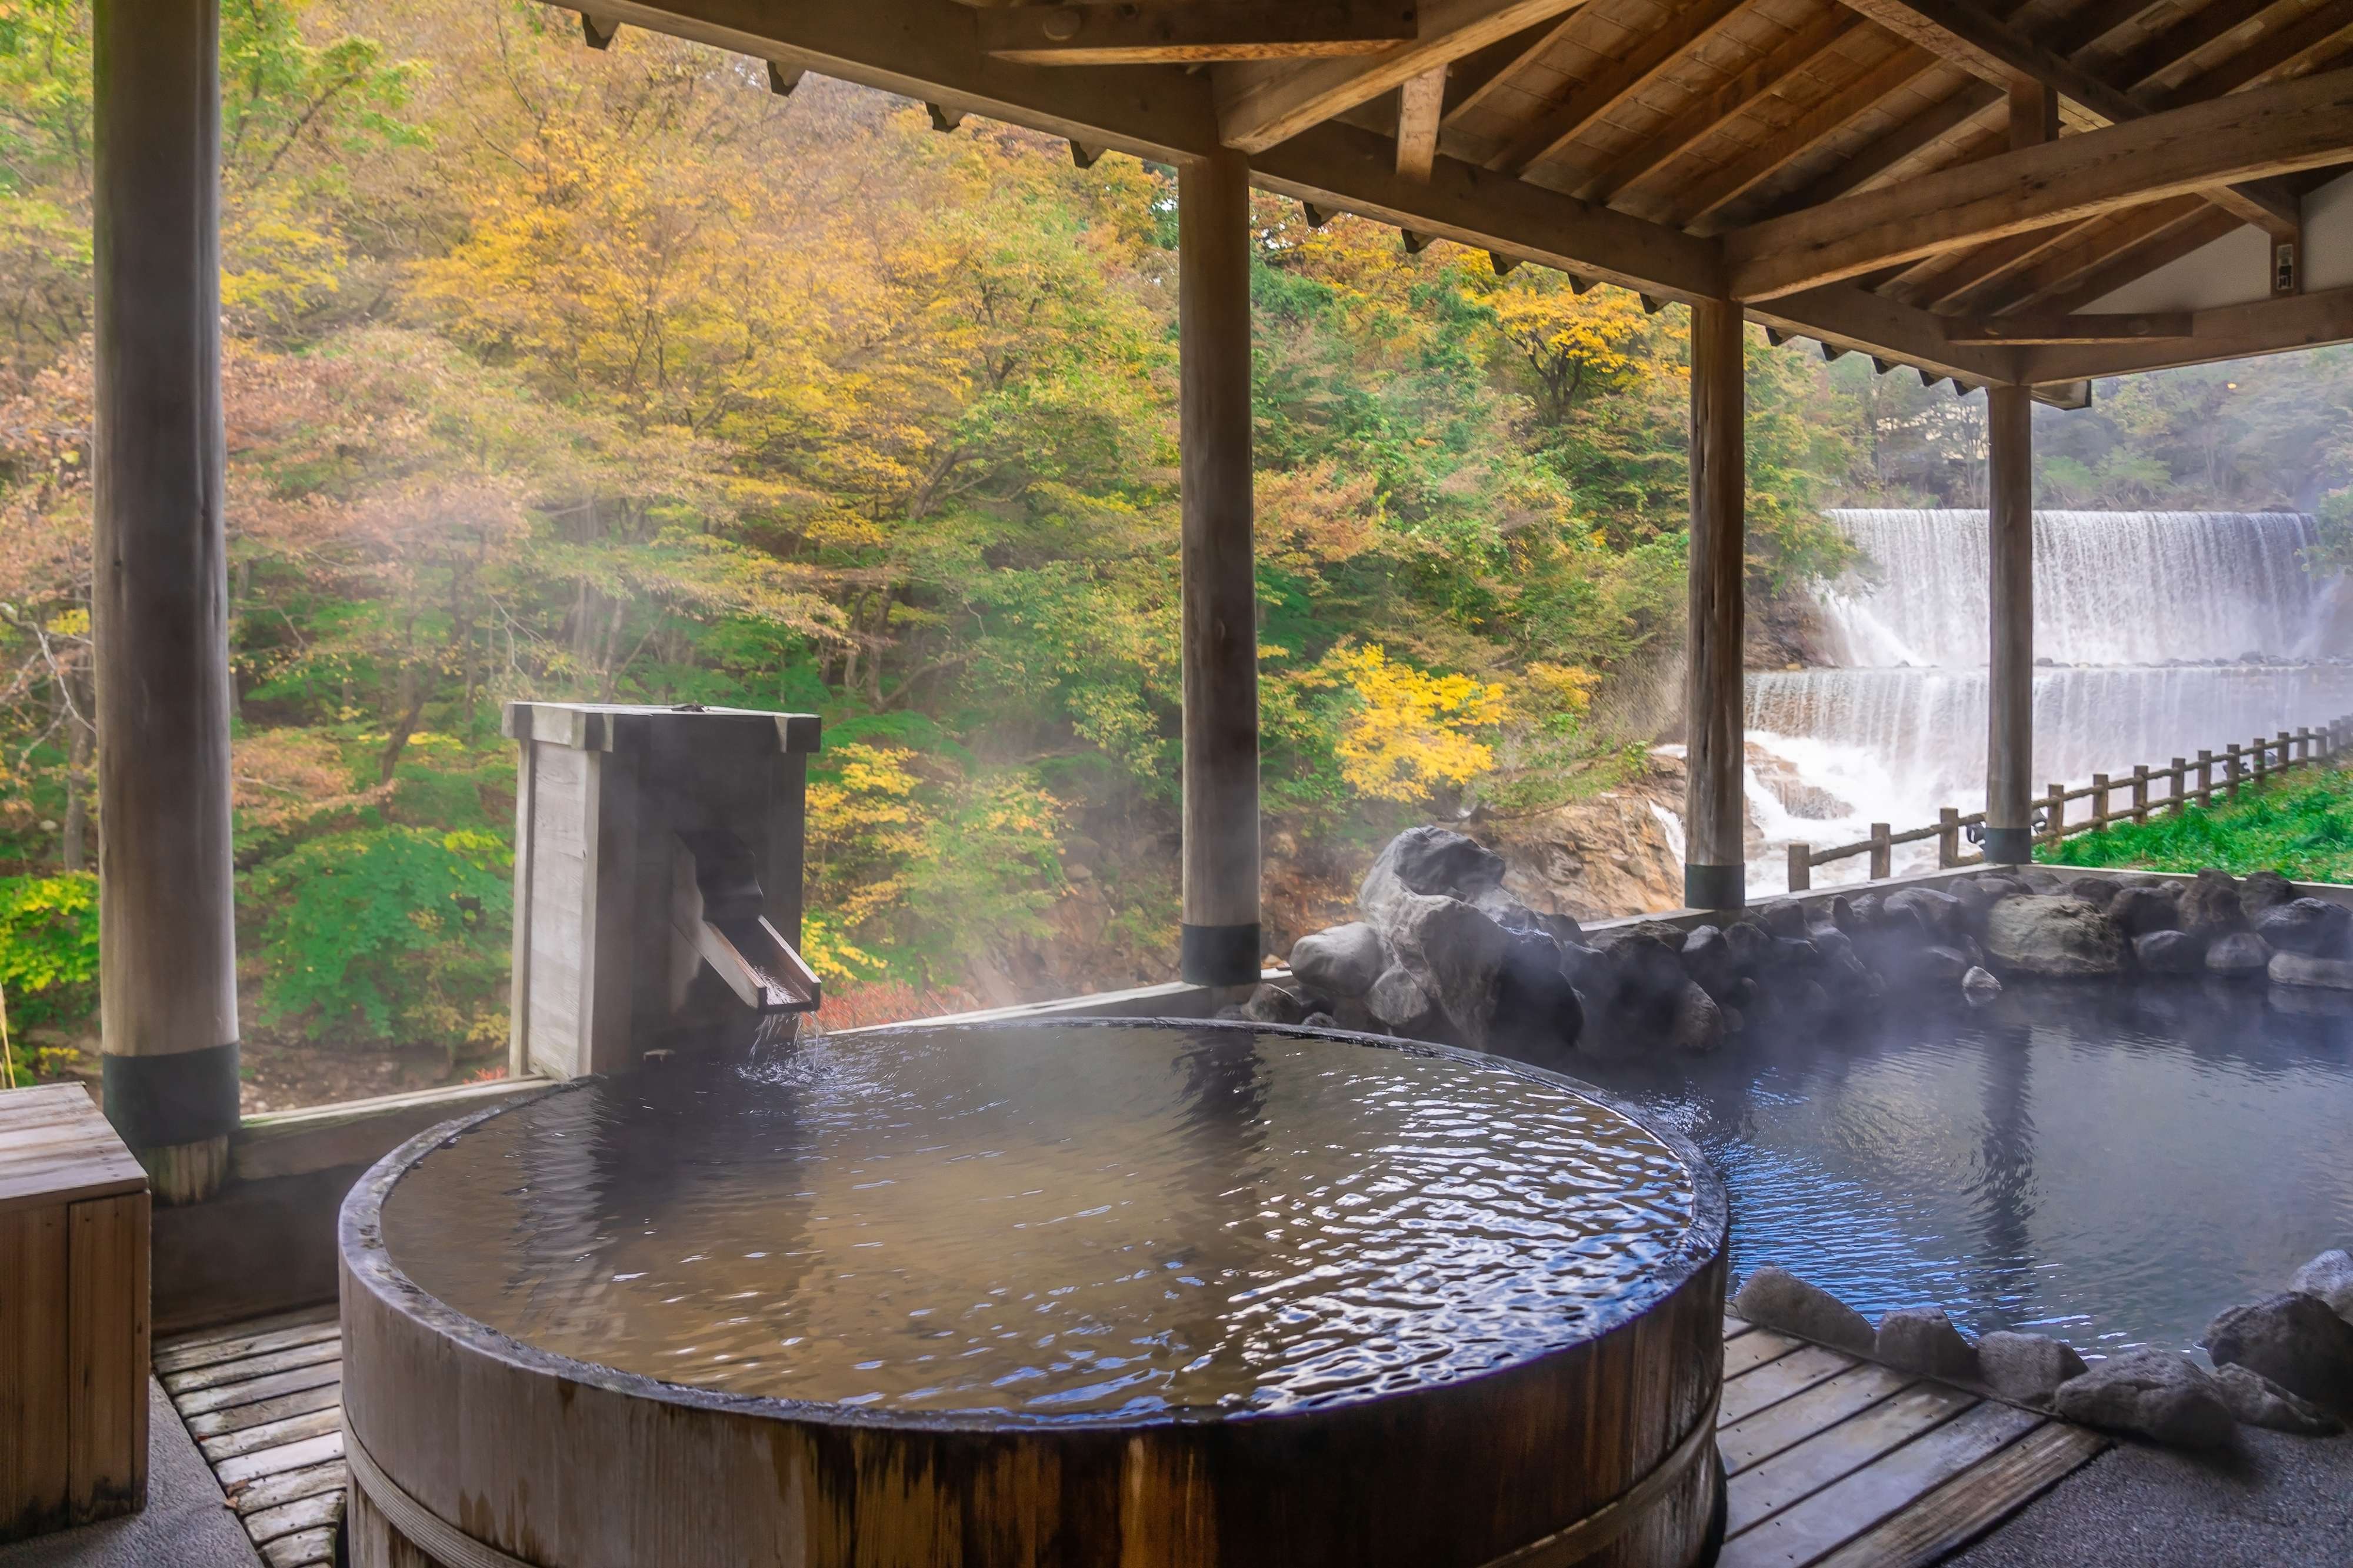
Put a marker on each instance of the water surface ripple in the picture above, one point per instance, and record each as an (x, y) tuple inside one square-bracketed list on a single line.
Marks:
[(1050, 1222)]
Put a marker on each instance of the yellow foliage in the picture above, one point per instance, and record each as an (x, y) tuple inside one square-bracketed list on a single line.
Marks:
[(863, 828), (1412, 732), (1565, 688)]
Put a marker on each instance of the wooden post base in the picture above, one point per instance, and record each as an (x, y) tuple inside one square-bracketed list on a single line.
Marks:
[(186, 1172)]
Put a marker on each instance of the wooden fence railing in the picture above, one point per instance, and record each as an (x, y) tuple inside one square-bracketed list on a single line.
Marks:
[(2237, 768)]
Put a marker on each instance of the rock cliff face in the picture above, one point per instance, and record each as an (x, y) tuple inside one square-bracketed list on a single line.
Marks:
[(1609, 855)]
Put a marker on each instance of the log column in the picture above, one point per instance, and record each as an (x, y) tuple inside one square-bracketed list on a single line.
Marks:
[(167, 944), (1714, 868), (2010, 674), (1221, 945)]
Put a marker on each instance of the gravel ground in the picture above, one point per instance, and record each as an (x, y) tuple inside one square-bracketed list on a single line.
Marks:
[(2283, 1502), (186, 1523)]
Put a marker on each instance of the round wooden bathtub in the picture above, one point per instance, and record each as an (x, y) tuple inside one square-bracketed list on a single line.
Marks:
[(1590, 1442)]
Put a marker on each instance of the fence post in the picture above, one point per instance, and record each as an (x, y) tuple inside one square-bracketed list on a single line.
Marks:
[(2056, 811), (2234, 770), (2140, 792), (2205, 778), (2283, 744), (2099, 803), (2261, 752), (1801, 867), (2303, 751), (1882, 853), (2180, 772), (1948, 836)]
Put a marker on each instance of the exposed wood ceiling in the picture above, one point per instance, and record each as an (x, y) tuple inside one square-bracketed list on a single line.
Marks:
[(1881, 174)]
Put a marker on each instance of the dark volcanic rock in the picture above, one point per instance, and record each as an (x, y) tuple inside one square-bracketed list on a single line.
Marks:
[(2155, 1393), (2293, 1340), (1274, 1004), (1535, 1006), (2053, 936), (2330, 1278), (2137, 911), (2303, 925), (1397, 1000), (2259, 890), (2169, 952), (2027, 1368), (1456, 952), (2257, 1401), (1941, 915), (1773, 1298), (1782, 918), (1697, 1028), (2209, 905), (2239, 956), (1979, 988), (1923, 1339), (1749, 943), (1707, 958), (2301, 969), (1342, 962), (2096, 892), (1941, 963)]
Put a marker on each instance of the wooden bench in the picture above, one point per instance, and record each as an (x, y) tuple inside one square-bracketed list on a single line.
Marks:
[(73, 1315)]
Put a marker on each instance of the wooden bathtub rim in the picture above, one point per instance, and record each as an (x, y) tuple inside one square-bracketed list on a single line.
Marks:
[(1626, 1346)]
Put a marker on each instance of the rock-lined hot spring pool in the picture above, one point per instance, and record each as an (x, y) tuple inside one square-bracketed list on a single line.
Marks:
[(2111, 1162)]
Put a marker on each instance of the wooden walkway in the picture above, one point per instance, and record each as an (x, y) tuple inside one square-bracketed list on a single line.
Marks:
[(1845, 1464), (1834, 1462)]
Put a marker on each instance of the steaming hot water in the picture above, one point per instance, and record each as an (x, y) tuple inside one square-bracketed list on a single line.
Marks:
[(1052, 1222), (2109, 1164), (2166, 632)]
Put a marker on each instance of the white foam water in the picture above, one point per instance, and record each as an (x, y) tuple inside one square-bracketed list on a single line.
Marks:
[(2167, 632)]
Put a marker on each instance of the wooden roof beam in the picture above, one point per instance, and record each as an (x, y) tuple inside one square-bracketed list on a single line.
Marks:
[(1614, 82), (1421, 104), (1997, 53), (1802, 51), (2044, 329), (1970, 107), (1840, 317), (1474, 79), (1704, 198), (1182, 33), (1260, 103), (2271, 131), (2227, 331)]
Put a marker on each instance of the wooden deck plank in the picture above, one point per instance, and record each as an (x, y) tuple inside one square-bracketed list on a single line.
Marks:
[(319, 1511), (1799, 1417), (1973, 1501), (1778, 1380), (188, 1357), (272, 1434), (303, 1551), (247, 1368), (237, 1417), (1837, 1451), (276, 1491), (277, 1460), (1735, 1327), (204, 1400), (219, 1332), (1845, 1509), (1754, 1349)]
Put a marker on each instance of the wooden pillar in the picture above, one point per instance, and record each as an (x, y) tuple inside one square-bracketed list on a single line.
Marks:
[(2010, 674), (167, 966), (1220, 943), (1715, 869)]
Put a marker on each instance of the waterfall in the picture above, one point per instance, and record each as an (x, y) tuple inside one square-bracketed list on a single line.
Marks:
[(2156, 634), (2125, 587)]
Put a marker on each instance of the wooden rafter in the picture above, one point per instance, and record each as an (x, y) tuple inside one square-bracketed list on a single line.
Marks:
[(1474, 79), (2227, 331), (1694, 205), (2271, 131), (2044, 329), (1808, 49), (1614, 82), (1966, 110), (1262, 103), (2093, 251), (1165, 33), (1998, 53), (1421, 102)]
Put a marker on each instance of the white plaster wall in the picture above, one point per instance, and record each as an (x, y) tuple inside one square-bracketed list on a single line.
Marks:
[(2234, 270)]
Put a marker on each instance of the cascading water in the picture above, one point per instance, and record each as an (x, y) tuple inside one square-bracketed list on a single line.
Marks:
[(2156, 634)]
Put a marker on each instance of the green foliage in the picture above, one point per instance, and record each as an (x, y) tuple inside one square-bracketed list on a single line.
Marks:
[(2300, 825), (48, 948), (389, 934)]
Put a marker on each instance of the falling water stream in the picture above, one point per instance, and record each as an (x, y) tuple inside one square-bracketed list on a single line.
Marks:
[(2156, 634)]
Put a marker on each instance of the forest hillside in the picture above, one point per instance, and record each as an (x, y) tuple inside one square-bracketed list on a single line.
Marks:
[(560, 373)]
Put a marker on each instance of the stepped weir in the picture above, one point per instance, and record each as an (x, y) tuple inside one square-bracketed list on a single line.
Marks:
[(2158, 632)]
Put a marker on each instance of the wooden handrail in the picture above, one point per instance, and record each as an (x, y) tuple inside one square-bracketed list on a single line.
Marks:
[(2241, 767)]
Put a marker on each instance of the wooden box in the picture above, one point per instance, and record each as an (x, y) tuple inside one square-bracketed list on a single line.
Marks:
[(73, 1315)]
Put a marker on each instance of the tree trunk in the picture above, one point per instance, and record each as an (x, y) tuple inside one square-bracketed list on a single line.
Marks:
[(70, 848)]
